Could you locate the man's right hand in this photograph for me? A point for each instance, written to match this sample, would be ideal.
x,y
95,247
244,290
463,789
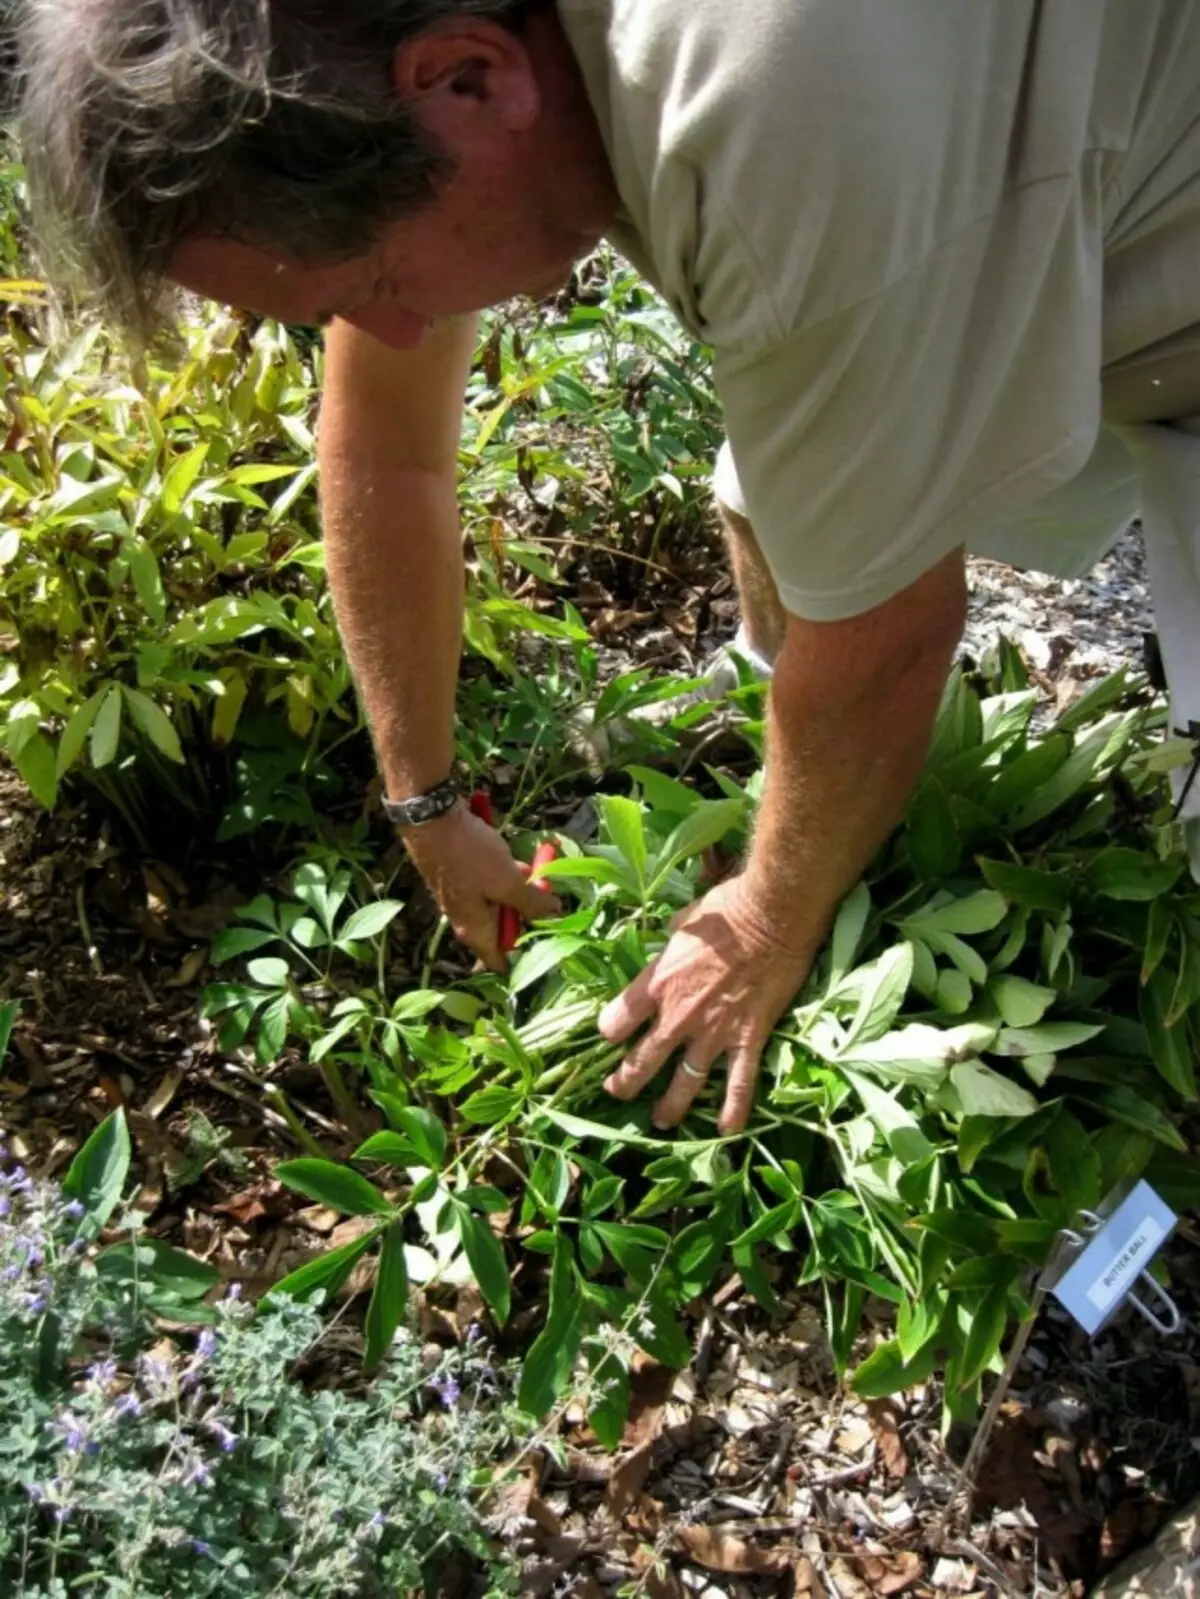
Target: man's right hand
x,y
471,872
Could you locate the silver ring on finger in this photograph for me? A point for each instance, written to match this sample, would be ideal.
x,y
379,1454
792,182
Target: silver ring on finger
x,y
692,1071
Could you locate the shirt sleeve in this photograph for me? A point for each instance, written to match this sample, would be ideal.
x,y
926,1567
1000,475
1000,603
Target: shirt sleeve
x,y
872,443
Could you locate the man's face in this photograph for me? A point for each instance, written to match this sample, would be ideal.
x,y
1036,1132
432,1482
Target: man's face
x,y
530,193
439,263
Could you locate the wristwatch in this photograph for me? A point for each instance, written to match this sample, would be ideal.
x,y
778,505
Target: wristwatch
x,y
425,807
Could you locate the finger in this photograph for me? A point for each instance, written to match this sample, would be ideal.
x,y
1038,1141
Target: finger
x,y
626,1013
739,1091
530,901
479,930
644,1061
690,1077
534,903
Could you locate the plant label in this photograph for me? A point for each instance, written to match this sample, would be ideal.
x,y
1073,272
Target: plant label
x,y
1117,1251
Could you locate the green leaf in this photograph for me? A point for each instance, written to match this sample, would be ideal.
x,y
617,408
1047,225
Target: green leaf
x,y
984,1092
327,1272
38,767
1020,1002
610,1390
547,1187
989,1323
551,1359
74,735
848,931
369,920
238,941
1077,770
588,868
181,478
1131,874
778,1219
336,1186
9,1011
1018,780
707,825
1169,1046
417,1004
493,1106
886,1372
658,1332
973,913
1027,885
147,578
1160,923
1048,1039
426,1132
96,1177
696,1254
622,820
106,728
934,846
884,986
156,1265
581,1127
269,971
898,1126
602,1195
953,994
1134,1110
391,1150
487,1262
154,722
389,1298
545,955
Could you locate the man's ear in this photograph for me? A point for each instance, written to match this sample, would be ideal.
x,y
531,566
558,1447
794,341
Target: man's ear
x,y
468,66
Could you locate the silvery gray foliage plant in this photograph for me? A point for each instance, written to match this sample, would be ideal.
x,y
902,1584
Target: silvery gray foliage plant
x,y
134,1466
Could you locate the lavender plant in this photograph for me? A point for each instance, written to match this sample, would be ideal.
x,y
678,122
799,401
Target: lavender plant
x,y
133,1467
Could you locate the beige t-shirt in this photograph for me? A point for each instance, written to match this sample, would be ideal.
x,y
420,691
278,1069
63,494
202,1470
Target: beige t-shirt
x,y
915,232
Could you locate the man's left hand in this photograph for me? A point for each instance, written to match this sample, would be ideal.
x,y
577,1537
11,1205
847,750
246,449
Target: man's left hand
x,y
718,988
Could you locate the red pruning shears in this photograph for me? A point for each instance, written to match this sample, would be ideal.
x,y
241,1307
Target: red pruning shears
x,y
509,926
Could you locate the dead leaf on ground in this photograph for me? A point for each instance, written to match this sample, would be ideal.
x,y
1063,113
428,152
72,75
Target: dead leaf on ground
x,y
165,1090
884,1415
192,964
808,1584
627,1479
892,1574
721,1551
649,1389
264,1199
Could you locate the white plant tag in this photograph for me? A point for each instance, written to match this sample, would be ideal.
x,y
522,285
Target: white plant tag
x,y
1097,1284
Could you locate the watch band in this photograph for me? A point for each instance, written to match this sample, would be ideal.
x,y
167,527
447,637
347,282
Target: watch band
x,y
420,808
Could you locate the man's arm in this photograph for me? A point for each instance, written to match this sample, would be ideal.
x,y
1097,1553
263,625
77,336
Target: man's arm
x,y
388,446
852,707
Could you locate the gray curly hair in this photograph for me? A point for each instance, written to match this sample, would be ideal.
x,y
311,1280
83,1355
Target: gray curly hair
x,y
273,121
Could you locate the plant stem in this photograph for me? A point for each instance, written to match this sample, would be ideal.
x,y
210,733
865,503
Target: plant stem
x,y
276,1098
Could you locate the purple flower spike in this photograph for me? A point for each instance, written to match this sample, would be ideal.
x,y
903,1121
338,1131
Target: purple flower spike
x,y
227,1440
74,1211
73,1436
206,1344
447,1389
199,1547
